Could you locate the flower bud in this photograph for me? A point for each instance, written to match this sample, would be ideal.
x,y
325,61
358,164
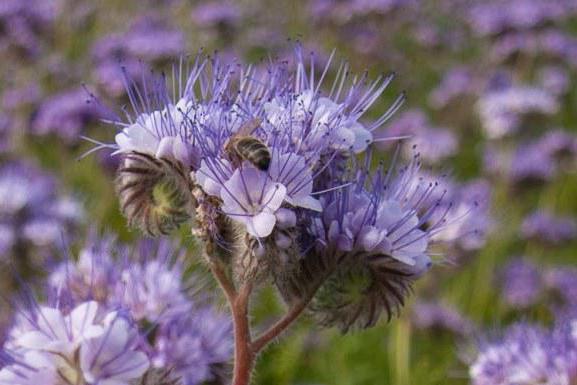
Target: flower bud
x,y
356,294
155,194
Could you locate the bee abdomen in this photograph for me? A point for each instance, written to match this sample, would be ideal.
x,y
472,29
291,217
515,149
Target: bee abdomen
x,y
254,151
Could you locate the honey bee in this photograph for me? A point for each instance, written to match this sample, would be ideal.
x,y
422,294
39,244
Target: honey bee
x,y
243,146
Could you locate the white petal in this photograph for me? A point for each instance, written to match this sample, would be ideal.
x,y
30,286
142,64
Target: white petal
x,y
261,225
308,202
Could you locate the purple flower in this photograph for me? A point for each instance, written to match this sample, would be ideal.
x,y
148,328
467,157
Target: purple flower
x,y
250,198
528,354
215,13
456,82
468,219
433,143
434,316
548,228
495,17
87,344
501,111
66,115
32,213
292,123
192,345
521,282
143,285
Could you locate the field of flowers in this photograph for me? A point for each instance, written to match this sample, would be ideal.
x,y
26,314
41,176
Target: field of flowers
x,y
102,281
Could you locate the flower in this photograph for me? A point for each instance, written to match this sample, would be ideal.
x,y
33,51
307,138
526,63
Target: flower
x,y
300,130
528,354
86,345
66,115
501,111
249,197
547,227
441,317
522,283
142,286
33,215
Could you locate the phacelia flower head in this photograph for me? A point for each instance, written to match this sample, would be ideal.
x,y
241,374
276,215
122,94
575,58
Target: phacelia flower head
x,y
522,283
440,317
546,227
33,216
502,111
147,285
87,345
528,354
251,142
372,232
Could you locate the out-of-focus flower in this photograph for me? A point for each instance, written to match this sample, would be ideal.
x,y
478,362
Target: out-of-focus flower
x,y
521,283
432,143
216,14
467,216
528,354
66,115
562,280
147,284
501,112
88,345
554,79
31,212
546,227
440,317
456,82
120,55
198,341
494,17
25,22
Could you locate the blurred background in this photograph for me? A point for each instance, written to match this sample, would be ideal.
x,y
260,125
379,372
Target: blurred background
x,y
490,105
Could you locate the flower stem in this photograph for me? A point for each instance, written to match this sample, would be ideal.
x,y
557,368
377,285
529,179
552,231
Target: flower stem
x,y
279,326
243,354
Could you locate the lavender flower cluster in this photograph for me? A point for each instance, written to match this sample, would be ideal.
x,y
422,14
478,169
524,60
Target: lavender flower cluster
x,y
528,354
117,315
264,165
33,215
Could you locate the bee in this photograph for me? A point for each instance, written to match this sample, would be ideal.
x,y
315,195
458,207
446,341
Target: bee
x,y
243,146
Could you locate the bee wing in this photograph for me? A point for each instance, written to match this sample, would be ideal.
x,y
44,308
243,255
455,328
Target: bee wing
x,y
249,126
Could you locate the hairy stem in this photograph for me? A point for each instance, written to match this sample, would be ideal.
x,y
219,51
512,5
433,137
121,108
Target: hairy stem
x,y
243,354
279,326
224,281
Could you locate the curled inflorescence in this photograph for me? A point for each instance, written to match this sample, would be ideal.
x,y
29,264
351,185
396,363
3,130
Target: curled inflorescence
x,y
266,168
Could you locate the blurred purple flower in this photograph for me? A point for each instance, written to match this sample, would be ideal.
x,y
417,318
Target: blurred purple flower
x,y
562,280
494,17
521,283
528,354
554,79
501,111
24,22
192,345
438,317
456,82
432,143
148,284
216,13
31,211
467,217
546,227
66,115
